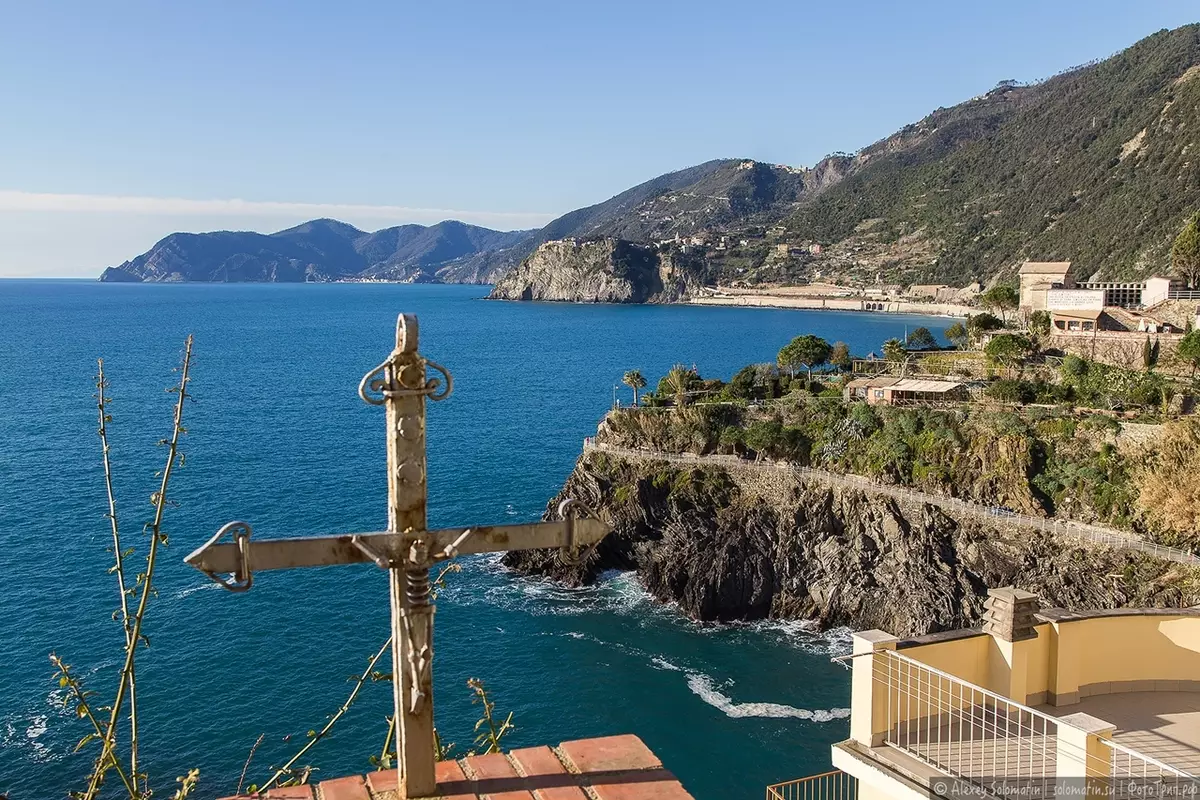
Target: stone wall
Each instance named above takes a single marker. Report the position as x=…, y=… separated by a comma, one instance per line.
x=1119, y=349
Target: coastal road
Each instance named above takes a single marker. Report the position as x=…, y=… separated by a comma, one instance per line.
x=1096, y=534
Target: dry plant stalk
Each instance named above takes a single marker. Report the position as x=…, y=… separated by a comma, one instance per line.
x=135, y=781
x=118, y=554
x=492, y=733
x=313, y=738
x=1168, y=494
x=83, y=710
x=246, y=766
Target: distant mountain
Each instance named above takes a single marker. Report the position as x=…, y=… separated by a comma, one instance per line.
x=712, y=195
x=1098, y=165
x=320, y=250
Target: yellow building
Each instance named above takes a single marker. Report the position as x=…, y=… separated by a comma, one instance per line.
x=1096, y=704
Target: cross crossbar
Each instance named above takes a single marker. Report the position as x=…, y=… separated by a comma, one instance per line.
x=407, y=549
x=216, y=558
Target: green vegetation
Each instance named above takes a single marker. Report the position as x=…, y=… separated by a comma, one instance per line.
x=839, y=356
x=958, y=336
x=1091, y=165
x=677, y=383
x=1185, y=252
x=921, y=339
x=979, y=324
x=1039, y=323
x=1008, y=349
x=634, y=380
x=1088, y=384
x=893, y=350
x=1038, y=462
x=1189, y=350
x=804, y=351
x=1002, y=298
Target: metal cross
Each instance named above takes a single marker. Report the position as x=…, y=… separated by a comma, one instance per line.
x=407, y=549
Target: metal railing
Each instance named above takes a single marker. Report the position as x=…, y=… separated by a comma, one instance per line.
x=835, y=785
x=964, y=730
x=1001, y=747
x=1136, y=775
x=1098, y=534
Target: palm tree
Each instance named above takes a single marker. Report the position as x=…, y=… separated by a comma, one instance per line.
x=634, y=380
x=677, y=381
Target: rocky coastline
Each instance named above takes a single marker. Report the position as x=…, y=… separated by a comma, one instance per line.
x=723, y=544
x=601, y=271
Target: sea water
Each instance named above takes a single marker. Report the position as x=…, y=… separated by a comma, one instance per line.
x=277, y=436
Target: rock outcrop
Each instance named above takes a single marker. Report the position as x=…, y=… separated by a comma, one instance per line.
x=730, y=544
x=601, y=271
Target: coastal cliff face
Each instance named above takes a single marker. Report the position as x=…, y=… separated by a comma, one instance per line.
x=728, y=543
x=601, y=271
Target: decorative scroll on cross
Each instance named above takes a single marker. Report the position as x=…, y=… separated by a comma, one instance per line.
x=407, y=549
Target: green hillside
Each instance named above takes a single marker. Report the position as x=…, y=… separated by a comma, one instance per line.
x=1096, y=165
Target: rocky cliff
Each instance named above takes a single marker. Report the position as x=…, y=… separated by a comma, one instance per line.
x=733, y=544
x=601, y=271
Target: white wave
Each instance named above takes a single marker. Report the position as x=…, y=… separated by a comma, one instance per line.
x=24, y=734
x=192, y=590
x=614, y=593
x=37, y=726
x=662, y=663
x=704, y=688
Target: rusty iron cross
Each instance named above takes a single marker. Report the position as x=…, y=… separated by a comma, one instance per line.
x=407, y=549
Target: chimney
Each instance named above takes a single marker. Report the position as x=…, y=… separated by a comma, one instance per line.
x=1008, y=614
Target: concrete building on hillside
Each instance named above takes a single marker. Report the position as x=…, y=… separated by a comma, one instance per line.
x=1038, y=278
x=1034, y=704
x=1125, y=295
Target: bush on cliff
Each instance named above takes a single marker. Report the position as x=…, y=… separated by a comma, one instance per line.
x=1038, y=461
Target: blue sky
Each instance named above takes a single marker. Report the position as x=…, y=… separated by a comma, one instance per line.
x=121, y=122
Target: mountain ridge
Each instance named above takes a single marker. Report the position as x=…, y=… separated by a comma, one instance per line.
x=1095, y=165
x=317, y=250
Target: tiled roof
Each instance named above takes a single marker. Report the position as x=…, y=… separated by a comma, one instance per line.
x=610, y=768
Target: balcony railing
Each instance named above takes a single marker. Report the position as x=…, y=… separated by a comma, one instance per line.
x=1136, y=775
x=835, y=785
x=1001, y=747
x=965, y=730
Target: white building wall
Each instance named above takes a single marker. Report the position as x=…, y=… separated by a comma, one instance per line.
x=1074, y=299
x=1156, y=291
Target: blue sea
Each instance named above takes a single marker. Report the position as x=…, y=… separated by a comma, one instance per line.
x=276, y=435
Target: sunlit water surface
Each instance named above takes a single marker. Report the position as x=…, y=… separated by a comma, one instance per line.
x=277, y=436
